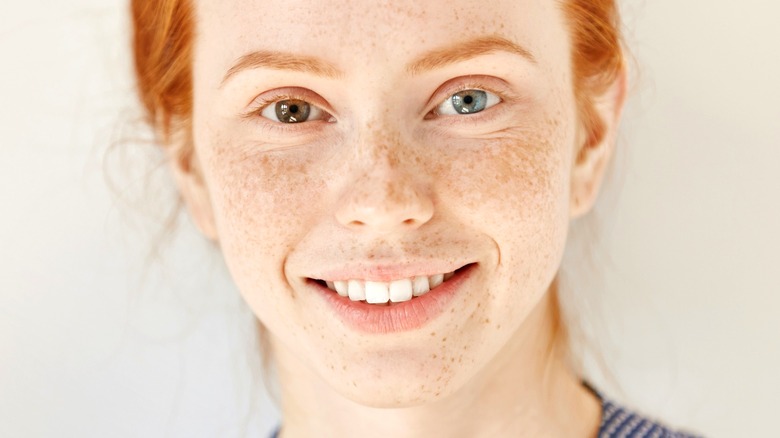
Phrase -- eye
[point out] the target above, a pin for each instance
(293, 111)
(467, 102)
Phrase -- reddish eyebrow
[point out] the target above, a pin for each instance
(463, 51)
(431, 60)
(283, 61)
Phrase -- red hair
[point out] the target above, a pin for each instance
(163, 40)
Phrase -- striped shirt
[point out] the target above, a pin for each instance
(619, 422)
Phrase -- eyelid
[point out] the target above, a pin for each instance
(272, 96)
(491, 84)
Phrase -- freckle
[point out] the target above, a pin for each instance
(498, 326)
(433, 333)
(444, 339)
(487, 320)
(434, 356)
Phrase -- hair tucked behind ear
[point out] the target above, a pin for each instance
(163, 32)
(597, 56)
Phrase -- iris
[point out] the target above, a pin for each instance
(469, 101)
(292, 111)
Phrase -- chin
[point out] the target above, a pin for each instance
(393, 397)
(398, 383)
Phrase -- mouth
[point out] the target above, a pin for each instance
(388, 293)
(394, 305)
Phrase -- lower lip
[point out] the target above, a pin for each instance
(397, 317)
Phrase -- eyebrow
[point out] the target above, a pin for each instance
(283, 61)
(428, 61)
(464, 51)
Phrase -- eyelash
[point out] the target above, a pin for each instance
(261, 104)
(463, 86)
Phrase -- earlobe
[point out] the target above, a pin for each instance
(596, 145)
(192, 187)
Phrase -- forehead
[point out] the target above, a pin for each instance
(373, 32)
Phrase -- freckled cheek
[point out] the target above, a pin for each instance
(516, 193)
(510, 184)
(263, 204)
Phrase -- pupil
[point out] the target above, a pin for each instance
(293, 109)
(468, 100)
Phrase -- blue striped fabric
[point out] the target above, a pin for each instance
(618, 422)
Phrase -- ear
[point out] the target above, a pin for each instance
(595, 145)
(187, 173)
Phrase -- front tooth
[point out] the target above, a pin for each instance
(436, 280)
(342, 288)
(420, 286)
(377, 292)
(448, 275)
(355, 290)
(401, 290)
(330, 285)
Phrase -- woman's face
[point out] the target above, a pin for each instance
(380, 142)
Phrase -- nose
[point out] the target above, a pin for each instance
(383, 200)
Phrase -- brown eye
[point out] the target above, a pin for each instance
(292, 111)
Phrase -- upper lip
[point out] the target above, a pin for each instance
(387, 272)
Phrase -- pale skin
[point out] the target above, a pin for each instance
(383, 175)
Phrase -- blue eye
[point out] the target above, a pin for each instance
(467, 102)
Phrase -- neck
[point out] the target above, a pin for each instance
(527, 390)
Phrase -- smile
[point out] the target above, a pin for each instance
(387, 292)
(392, 305)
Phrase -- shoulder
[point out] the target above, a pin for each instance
(620, 422)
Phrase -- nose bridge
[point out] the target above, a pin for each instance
(385, 191)
(379, 143)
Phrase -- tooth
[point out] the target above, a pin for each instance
(448, 275)
(401, 290)
(436, 280)
(420, 286)
(330, 285)
(355, 290)
(341, 288)
(376, 292)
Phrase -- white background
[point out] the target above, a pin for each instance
(95, 341)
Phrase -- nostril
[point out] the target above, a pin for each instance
(410, 222)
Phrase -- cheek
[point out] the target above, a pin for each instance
(259, 196)
(514, 182)
(262, 203)
(516, 192)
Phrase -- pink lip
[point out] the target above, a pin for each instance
(396, 317)
(387, 272)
